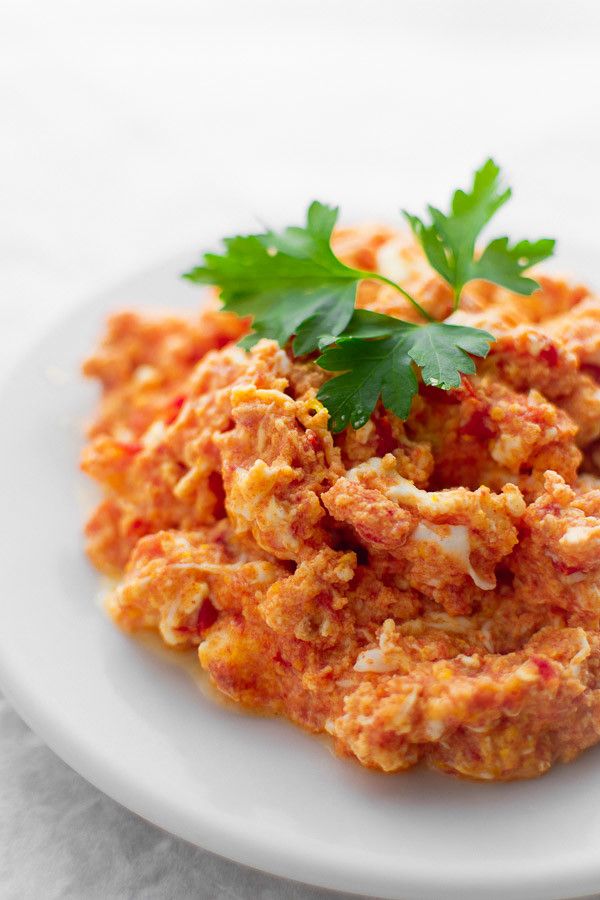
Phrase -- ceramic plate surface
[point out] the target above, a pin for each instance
(256, 790)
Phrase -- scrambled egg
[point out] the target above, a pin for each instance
(420, 590)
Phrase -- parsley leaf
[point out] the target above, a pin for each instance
(385, 367)
(290, 282)
(372, 369)
(503, 264)
(449, 240)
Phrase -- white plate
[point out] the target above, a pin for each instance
(256, 790)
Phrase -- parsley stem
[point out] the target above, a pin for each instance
(384, 280)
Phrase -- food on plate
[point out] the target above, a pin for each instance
(367, 488)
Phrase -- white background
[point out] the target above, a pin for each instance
(129, 128)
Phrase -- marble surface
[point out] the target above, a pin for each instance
(130, 128)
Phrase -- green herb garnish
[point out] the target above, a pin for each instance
(290, 282)
(385, 367)
(292, 285)
(449, 241)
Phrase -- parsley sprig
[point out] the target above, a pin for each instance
(449, 240)
(292, 285)
(290, 282)
(385, 367)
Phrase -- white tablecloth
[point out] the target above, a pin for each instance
(127, 123)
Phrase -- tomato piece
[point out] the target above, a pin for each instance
(207, 616)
